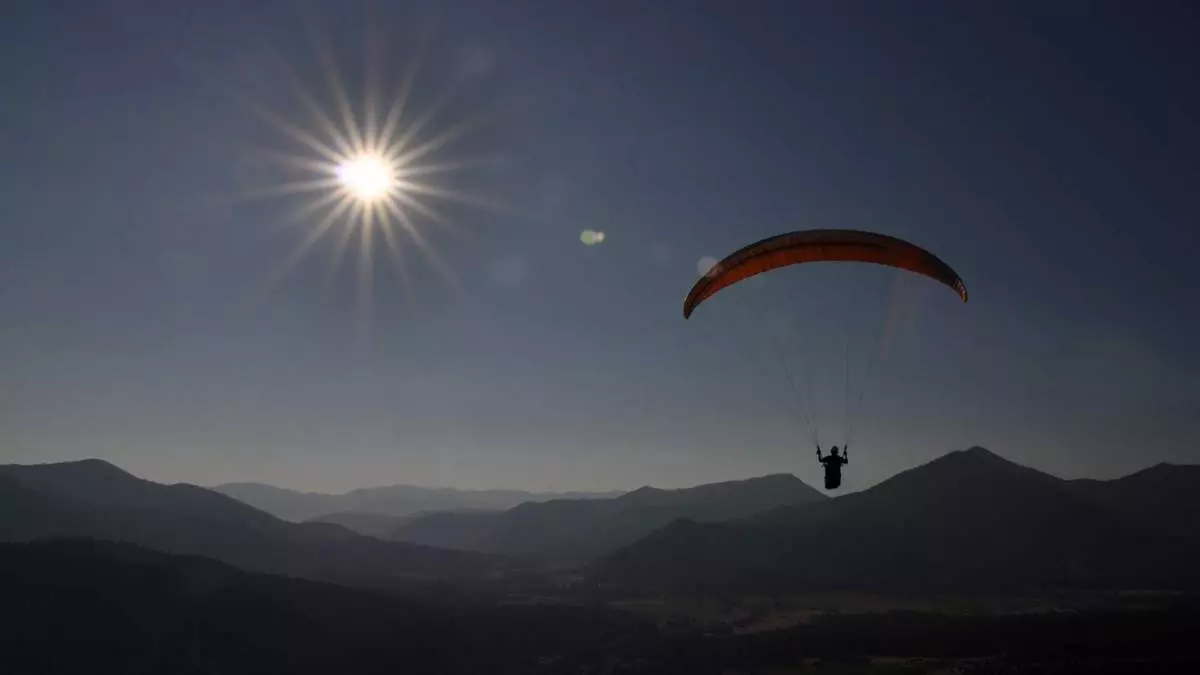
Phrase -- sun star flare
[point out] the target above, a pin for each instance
(374, 171)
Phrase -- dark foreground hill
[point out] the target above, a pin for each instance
(391, 500)
(572, 530)
(967, 521)
(95, 499)
(88, 607)
(84, 607)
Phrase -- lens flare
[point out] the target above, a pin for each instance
(591, 237)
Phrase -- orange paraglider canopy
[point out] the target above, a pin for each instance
(820, 246)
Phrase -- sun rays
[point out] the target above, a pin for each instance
(373, 169)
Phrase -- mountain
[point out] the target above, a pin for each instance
(95, 499)
(281, 503)
(77, 607)
(394, 500)
(370, 524)
(379, 525)
(969, 520)
(1162, 496)
(571, 530)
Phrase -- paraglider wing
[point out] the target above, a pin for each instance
(818, 246)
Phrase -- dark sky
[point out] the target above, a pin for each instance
(1049, 151)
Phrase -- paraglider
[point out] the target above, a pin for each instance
(833, 466)
(820, 246)
(825, 245)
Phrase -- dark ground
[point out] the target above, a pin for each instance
(87, 607)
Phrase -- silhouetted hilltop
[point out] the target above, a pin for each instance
(95, 499)
(967, 520)
(574, 530)
(99, 483)
(1163, 496)
(392, 500)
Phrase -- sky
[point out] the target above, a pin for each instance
(1047, 151)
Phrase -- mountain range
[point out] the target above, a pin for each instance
(95, 499)
(391, 500)
(575, 530)
(968, 521)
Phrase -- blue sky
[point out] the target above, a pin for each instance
(1048, 151)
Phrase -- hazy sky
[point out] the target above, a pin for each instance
(1048, 151)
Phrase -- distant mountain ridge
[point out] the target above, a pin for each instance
(969, 520)
(92, 498)
(370, 524)
(391, 500)
(567, 530)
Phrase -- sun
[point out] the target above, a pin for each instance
(367, 177)
(375, 167)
